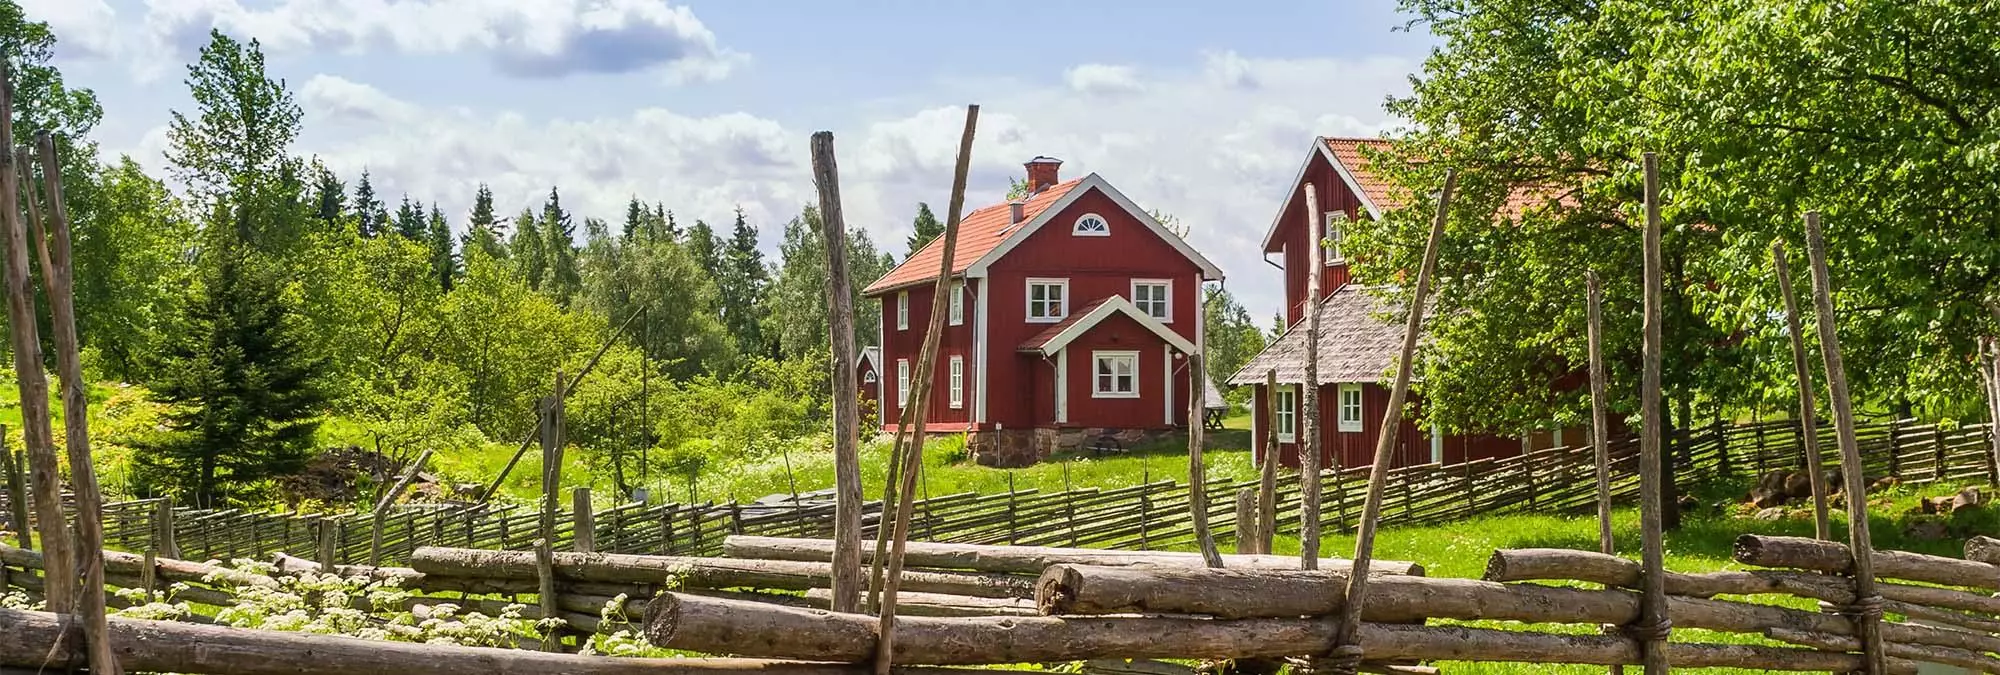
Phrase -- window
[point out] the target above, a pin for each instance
(903, 310)
(902, 382)
(957, 382)
(957, 303)
(1117, 375)
(868, 377)
(1153, 296)
(1048, 300)
(1336, 233)
(1287, 412)
(1091, 225)
(1350, 407)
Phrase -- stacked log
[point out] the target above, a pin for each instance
(1027, 560)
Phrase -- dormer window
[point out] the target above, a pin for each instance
(1091, 225)
(1336, 233)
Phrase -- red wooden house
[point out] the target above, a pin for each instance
(1071, 316)
(1361, 335)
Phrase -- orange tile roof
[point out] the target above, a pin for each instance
(979, 233)
(1386, 197)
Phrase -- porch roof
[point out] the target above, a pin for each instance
(1360, 337)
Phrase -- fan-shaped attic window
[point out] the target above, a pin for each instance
(1091, 225)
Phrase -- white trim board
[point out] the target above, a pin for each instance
(1292, 188)
(1093, 181)
(1104, 309)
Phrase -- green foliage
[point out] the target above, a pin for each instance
(564, 281)
(244, 386)
(371, 219)
(1229, 337)
(483, 230)
(229, 153)
(129, 274)
(444, 260)
(529, 250)
(1760, 110)
(742, 282)
(681, 327)
(922, 230)
(797, 298)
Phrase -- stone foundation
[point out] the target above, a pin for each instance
(1015, 448)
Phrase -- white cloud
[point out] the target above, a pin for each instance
(527, 38)
(84, 28)
(1098, 78)
(1209, 150)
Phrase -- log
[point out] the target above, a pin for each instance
(1027, 559)
(166, 569)
(291, 565)
(1941, 655)
(938, 604)
(1227, 593)
(1833, 558)
(165, 646)
(1551, 564)
(721, 626)
(1655, 470)
(695, 572)
(1981, 548)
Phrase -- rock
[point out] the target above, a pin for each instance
(1883, 484)
(1967, 498)
(1798, 485)
(1926, 529)
(1772, 513)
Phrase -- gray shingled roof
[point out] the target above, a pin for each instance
(1356, 344)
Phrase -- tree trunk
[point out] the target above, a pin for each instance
(1025, 559)
(694, 572)
(1833, 558)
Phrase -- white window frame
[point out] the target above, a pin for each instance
(1351, 411)
(1062, 305)
(957, 382)
(903, 310)
(868, 377)
(902, 383)
(958, 303)
(1166, 298)
(1099, 358)
(1285, 408)
(1336, 232)
(1103, 229)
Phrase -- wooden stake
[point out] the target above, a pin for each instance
(1867, 608)
(1992, 373)
(847, 499)
(163, 519)
(1247, 535)
(1267, 480)
(1653, 626)
(17, 492)
(1345, 643)
(552, 451)
(913, 454)
(1306, 426)
(1600, 416)
(59, 285)
(36, 431)
(1808, 411)
(1197, 473)
(1600, 432)
(583, 523)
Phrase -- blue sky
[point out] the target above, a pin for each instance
(1189, 107)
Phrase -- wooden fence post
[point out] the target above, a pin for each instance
(329, 548)
(1247, 535)
(1652, 627)
(1014, 519)
(1867, 606)
(1267, 475)
(163, 523)
(1808, 426)
(583, 523)
(17, 493)
(1197, 473)
(1895, 448)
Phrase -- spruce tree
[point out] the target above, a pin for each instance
(242, 385)
(743, 293)
(669, 230)
(410, 220)
(369, 215)
(482, 228)
(635, 218)
(330, 196)
(527, 248)
(444, 261)
(707, 249)
(924, 229)
(564, 280)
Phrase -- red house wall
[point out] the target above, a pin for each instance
(1121, 333)
(1097, 267)
(1297, 239)
(1351, 449)
(909, 343)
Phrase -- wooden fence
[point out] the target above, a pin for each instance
(1150, 516)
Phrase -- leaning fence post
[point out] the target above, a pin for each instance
(1808, 437)
(583, 523)
(1867, 607)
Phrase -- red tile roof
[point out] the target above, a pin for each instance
(1384, 195)
(978, 234)
(1034, 344)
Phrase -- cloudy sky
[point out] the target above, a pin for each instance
(706, 105)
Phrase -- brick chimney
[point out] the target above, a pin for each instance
(1042, 173)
